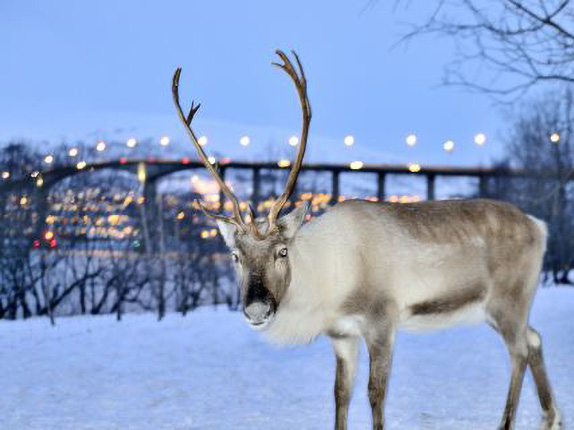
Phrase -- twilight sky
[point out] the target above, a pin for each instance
(75, 70)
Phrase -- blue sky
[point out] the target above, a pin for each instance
(89, 70)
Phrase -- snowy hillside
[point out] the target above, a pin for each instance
(209, 371)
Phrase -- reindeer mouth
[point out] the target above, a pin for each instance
(260, 326)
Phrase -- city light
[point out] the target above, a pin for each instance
(356, 165)
(101, 146)
(212, 160)
(81, 165)
(34, 174)
(132, 142)
(480, 139)
(414, 167)
(73, 152)
(284, 163)
(180, 215)
(5, 175)
(349, 140)
(164, 141)
(202, 140)
(244, 141)
(39, 181)
(49, 159)
(293, 141)
(141, 172)
(448, 145)
(555, 137)
(411, 139)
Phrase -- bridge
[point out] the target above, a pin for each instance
(150, 170)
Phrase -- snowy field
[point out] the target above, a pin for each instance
(209, 371)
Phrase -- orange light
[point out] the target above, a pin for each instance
(414, 168)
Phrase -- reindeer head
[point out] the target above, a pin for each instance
(259, 247)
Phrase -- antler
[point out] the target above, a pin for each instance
(300, 82)
(236, 218)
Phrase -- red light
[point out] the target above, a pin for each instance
(37, 243)
(185, 161)
(53, 243)
(123, 160)
(225, 161)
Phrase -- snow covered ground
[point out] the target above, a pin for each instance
(209, 371)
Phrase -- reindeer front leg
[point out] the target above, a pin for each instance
(346, 351)
(380, 346)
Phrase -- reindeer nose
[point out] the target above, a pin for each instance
(257, 312)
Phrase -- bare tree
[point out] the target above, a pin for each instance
(522, 43)
(540, 144)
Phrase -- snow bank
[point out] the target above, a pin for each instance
(209, 371)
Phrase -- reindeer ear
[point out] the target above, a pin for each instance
(291, 223)
(227, 231)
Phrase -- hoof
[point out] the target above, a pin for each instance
(552, 420)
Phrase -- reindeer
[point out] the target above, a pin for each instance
(363, 270)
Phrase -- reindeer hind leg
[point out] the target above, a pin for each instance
(552, 419)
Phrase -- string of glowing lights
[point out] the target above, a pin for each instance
(349, 141)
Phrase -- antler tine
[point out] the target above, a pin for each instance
(300, 82)
(210, 214)
(236, 219)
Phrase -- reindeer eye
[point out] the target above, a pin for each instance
(234, 257)
(283, 252)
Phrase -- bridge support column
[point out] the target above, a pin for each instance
(431, 186)
(381, 192)
(335, 186)
(483, 186)
(221, 194)
(256, 194)
(150, 217)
